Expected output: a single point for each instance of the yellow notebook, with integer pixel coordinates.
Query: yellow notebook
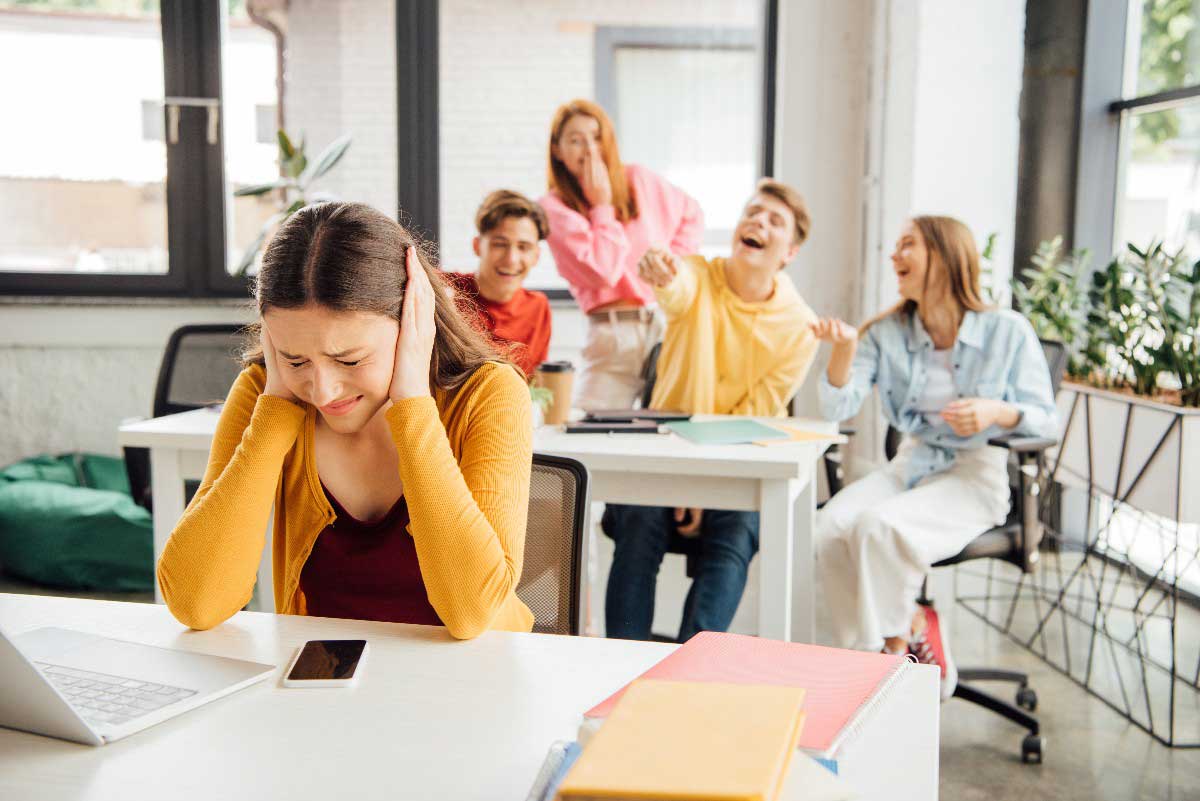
(691, 741)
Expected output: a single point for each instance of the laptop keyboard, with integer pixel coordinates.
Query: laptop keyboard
(100, 698)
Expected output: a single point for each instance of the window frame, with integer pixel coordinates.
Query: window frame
(191, 42)
(1104, 105)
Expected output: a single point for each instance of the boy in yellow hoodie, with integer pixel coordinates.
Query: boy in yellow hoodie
(737, 342)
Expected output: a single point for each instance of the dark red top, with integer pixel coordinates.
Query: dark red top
(521, 327)
(367, 571)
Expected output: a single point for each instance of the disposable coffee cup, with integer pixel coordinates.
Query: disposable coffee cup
(558, 378)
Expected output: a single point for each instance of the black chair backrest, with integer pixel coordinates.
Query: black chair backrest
(198, 367)
(551, 575)
(1056, 360)
(650, 374)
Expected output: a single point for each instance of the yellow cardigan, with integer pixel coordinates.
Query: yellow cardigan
(465, 462)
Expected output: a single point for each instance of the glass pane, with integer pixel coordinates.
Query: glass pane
(683, 108)
(712, 143)
(249, 106)
(1160, 185)
(82, 173)
(1166, 39)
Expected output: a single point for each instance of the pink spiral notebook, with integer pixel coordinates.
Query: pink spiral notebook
(843, 686)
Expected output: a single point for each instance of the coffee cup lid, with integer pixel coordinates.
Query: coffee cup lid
(555, 367)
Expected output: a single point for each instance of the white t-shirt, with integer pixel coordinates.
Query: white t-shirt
(939, 386)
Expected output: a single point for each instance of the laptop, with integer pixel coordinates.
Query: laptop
(94, 690)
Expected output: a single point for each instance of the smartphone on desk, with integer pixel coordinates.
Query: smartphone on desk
(327, 663)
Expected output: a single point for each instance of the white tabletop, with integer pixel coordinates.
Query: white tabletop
(431, 719)
(672, 454)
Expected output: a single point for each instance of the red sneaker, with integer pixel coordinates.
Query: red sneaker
(930, 647)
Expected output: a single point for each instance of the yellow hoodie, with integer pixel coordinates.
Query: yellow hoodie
(723, 355)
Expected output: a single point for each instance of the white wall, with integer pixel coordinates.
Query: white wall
(341, 79)
(970, 57)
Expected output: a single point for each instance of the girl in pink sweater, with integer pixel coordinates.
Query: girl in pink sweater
(603, 217)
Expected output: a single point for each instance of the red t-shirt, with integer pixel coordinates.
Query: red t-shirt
(521, 327)
(367, 571)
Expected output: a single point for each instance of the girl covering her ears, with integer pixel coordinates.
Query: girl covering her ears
(392, 442)
(951, 372)
(604, 216)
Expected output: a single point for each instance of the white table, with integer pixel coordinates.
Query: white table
(777, 481)
(432, 718)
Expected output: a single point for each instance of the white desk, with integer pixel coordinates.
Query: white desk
(777, 481)
(432, 718)
(664, 470)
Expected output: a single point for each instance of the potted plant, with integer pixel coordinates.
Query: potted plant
(296, 178)
(1130, 413)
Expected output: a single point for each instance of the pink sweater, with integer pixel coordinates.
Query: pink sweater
(598, 255)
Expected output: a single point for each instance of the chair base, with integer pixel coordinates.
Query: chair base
(1033, 745)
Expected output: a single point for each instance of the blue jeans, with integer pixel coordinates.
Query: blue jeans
(727, 542)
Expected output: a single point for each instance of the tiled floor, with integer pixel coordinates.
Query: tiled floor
(1091, 752)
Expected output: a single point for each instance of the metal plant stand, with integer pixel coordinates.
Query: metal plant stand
(1108, 605)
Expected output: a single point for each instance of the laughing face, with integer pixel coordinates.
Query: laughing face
(338, 361)
(506, 255)
(910, 260)
(765, 235)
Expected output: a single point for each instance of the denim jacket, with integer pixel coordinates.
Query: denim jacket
(996, 355)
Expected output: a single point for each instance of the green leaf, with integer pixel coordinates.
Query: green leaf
(260, 189)
(286, 148)
(329, 157)
(252, 249)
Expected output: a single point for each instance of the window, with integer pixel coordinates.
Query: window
(712, 146)
(76, 202)
(1158, 196)
(136, 89)
(502, 75)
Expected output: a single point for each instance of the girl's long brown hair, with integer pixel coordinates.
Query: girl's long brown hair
(350, 257)
(952, 260)
(566, 185)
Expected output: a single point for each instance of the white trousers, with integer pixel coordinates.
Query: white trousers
(876, 540)
(613, 356)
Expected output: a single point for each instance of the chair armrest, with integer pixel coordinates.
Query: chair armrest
(1018, 444)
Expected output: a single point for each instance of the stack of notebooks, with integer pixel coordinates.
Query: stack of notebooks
(725, 717)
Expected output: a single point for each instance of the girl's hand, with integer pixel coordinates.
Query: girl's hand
(597, 187)
(657, 267)
(969, 416)
(275, 385)
(834, 331)
(414, 344)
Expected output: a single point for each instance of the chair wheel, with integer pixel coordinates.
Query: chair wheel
(1027, 699)
(1031, 749)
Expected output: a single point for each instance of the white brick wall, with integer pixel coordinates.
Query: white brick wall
(342, 79)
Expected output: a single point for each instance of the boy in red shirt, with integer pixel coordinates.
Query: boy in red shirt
(511, 227)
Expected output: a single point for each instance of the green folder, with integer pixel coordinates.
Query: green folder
(726, 432)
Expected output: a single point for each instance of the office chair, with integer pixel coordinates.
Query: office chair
(198, 367)
(552, 571)
(1015, 541)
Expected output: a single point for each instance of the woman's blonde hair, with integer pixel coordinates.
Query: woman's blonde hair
(350, 257)
(566, 185)
(952, 261)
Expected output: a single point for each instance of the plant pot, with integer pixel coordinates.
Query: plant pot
(1142, 452)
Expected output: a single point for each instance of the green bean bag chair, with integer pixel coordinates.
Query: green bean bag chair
(69, 521)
